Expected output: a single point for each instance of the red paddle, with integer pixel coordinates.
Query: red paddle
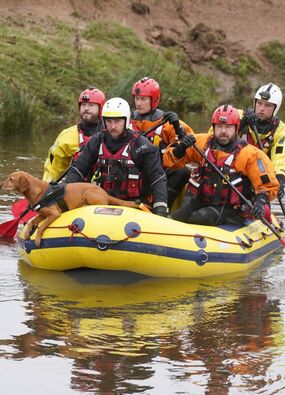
(9, 228)
(18, 207)
(22, 213)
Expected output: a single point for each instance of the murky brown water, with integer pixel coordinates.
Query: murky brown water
(104, 333)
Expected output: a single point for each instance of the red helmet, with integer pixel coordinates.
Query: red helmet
(92, 95)
(227, 115)
(147, 87)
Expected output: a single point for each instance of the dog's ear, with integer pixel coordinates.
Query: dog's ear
(23, 184)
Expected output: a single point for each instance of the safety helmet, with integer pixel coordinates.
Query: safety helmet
(271, 93)
(117, 108)
(148, 87)
(92, 95)
(227, 115)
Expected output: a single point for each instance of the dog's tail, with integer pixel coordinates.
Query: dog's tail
(121, 202)
(128, 203)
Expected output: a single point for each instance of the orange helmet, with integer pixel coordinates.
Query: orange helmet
(227, 115)
(92, 95)
(148, 87)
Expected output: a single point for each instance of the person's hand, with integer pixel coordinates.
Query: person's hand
(171, 117)
(281, 180)
(249, 118)
(258, 209)
(160, 210)
(186, 142)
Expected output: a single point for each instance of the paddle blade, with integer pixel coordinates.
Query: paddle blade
(9, 228)
(19, 207)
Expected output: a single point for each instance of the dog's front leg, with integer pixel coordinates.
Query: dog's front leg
(31, 224)
(45, 224)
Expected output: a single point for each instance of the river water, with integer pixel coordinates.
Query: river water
(86, 331)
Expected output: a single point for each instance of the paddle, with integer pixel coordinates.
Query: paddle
(153, 128)
(282, 206)
(248, 202)
(22, 210)
(254, 128)
(9, 228)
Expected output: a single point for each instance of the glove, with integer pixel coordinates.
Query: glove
(249, 118)
(162, 211)
(171, 117)
(281, 180)
(186, 142)
(258, 209)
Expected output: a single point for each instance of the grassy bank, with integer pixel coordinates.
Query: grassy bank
(45, 66)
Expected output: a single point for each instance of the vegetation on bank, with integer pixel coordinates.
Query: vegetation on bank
(275, 53)
(45, 67)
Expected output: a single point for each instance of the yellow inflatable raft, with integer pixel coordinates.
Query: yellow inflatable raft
(120, 238)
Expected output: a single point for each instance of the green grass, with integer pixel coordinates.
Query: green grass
(275, 52)
(50, 64)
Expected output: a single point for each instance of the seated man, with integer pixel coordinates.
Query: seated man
(212, 201)
(70, 141)
(146, 94)
(123, 163)
(262, 128)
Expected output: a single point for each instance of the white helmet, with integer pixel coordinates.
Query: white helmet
(270, 92)
(117, 108)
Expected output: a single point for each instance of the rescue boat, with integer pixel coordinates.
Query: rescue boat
(121, 238)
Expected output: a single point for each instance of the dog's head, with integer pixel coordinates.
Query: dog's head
(17, 181)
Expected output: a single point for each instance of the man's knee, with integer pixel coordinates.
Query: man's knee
(205, 216)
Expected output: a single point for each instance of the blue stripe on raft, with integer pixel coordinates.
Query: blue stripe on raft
(152, 249)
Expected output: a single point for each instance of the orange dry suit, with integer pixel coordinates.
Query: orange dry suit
(249, 163)
(211, 189)
(163, 135)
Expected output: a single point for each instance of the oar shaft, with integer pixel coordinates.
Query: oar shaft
(153, 128)
(282, 206)
(254, 128)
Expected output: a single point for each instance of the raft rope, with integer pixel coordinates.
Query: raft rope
(75, 230)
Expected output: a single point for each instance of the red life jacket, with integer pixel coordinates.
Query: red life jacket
(82, 140)
(116, 173)
(266, 139)
(210, 188)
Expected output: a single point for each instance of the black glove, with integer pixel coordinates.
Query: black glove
(160, 210)
(281, 180)
(186, 142)
(258, 209)
(171, 117)
(249, 118)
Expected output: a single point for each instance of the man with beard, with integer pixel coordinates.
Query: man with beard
(70, 142)
(210, 200)
(124, 163)
(261, 127)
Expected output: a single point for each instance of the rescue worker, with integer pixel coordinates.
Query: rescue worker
(211, 201)
(124, 163)
(261, 127)
(70, 141)
(146, 94)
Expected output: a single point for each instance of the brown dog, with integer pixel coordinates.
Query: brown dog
(76, 195)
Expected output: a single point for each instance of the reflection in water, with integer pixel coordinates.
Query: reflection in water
(122, 336)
